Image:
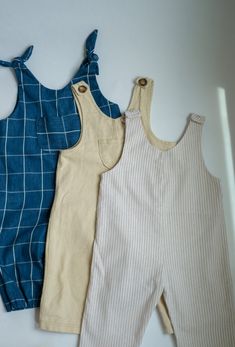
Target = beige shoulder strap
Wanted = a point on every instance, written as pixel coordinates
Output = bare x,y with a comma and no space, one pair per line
95,123
141,100
83,97
142,97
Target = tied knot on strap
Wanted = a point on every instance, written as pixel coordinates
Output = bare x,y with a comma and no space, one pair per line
91,56
26,55
90,47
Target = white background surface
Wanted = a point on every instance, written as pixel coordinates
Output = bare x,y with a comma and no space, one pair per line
186,46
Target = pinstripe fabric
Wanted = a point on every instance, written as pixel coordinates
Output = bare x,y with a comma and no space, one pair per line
43,122
160,229
72,223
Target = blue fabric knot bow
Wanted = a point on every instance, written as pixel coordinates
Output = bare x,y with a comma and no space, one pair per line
91,56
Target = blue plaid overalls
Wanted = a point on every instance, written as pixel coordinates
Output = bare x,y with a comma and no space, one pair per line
43,122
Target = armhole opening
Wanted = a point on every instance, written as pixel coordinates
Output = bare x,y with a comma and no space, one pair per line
78,143
122,155
17,101
80,113
107,101
207,171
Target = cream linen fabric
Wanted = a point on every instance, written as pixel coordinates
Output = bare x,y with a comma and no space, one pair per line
73,217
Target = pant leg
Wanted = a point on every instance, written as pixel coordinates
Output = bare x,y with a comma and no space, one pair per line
198,285
120,301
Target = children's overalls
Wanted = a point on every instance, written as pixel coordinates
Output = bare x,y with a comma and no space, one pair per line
160,229
43,122
71,229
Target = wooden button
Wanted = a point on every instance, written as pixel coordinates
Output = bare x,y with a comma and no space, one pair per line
143,82
82,89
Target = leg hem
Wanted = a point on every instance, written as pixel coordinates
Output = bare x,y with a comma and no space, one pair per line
21,304
58,327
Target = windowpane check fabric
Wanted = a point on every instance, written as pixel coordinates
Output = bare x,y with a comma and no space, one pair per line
160,229
43,122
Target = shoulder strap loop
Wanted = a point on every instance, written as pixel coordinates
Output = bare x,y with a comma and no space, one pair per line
197,118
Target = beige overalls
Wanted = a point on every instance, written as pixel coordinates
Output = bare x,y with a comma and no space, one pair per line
73,217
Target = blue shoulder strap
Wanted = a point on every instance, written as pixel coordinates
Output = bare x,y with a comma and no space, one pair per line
89,64
90,46
5,63
23,58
